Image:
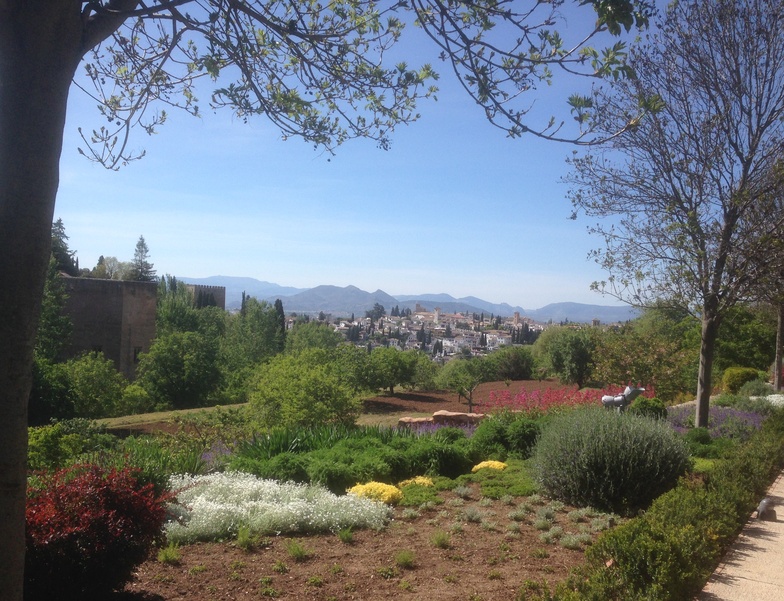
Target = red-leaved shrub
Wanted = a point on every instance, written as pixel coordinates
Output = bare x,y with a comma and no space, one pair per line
88,527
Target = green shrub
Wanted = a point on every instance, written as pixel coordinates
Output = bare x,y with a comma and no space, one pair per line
735,377
61,444
489,440
758,387
703,446
648,407
134,400
611,461
431,456
286,467
502,435
522,435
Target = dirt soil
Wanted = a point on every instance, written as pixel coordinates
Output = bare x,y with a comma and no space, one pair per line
496,558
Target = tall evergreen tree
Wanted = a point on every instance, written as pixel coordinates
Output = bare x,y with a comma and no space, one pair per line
55,327
63,255
142,270
281,317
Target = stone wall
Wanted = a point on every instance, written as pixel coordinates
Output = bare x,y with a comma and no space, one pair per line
216,292
114,317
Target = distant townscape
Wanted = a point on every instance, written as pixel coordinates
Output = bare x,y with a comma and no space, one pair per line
341,302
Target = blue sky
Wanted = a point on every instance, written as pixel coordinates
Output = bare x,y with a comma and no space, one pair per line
454,206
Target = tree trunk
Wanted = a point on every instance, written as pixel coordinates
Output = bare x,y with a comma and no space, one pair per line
779,348
710,330
39,52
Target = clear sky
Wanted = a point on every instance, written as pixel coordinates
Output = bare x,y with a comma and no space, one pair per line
454,206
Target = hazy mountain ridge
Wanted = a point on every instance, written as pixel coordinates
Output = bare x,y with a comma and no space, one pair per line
350,299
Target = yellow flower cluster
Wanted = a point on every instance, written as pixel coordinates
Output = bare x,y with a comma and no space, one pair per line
378,491
493,465
421,480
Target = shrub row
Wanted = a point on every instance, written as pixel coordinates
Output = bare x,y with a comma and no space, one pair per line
340,456
363,455
668,553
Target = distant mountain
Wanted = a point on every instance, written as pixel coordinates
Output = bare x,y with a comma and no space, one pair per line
348,300
577,312
336,300
235,286
556,312
451,304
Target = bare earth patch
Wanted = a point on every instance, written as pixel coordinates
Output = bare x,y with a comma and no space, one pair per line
483,553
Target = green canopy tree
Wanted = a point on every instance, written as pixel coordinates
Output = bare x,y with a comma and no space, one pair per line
251,337
96,386
312,334
569,353
658,351
63,255
390,367
180,370
302,389
317,71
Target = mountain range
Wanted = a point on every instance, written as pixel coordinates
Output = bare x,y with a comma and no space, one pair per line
350,299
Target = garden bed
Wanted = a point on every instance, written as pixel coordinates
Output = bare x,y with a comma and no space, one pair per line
464,548
489,559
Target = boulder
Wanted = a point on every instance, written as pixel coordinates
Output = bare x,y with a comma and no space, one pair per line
456,418
408,422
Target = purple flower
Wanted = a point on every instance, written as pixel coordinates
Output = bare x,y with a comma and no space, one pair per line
723,422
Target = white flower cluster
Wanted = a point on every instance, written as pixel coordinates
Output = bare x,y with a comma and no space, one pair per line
215,506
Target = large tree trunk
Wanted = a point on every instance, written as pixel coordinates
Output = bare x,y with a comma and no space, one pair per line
710,330
779,348
39,52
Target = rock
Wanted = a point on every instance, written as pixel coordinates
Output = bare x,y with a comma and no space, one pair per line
453,417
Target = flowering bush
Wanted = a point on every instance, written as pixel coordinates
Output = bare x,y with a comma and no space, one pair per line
420,480
216,506
378,491
493,465
723,422
87,528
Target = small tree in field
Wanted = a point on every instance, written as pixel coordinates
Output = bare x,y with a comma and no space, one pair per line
463,376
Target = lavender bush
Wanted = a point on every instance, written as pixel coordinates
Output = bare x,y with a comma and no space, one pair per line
723,422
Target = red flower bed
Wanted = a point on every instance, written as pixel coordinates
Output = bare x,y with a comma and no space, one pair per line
540,402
